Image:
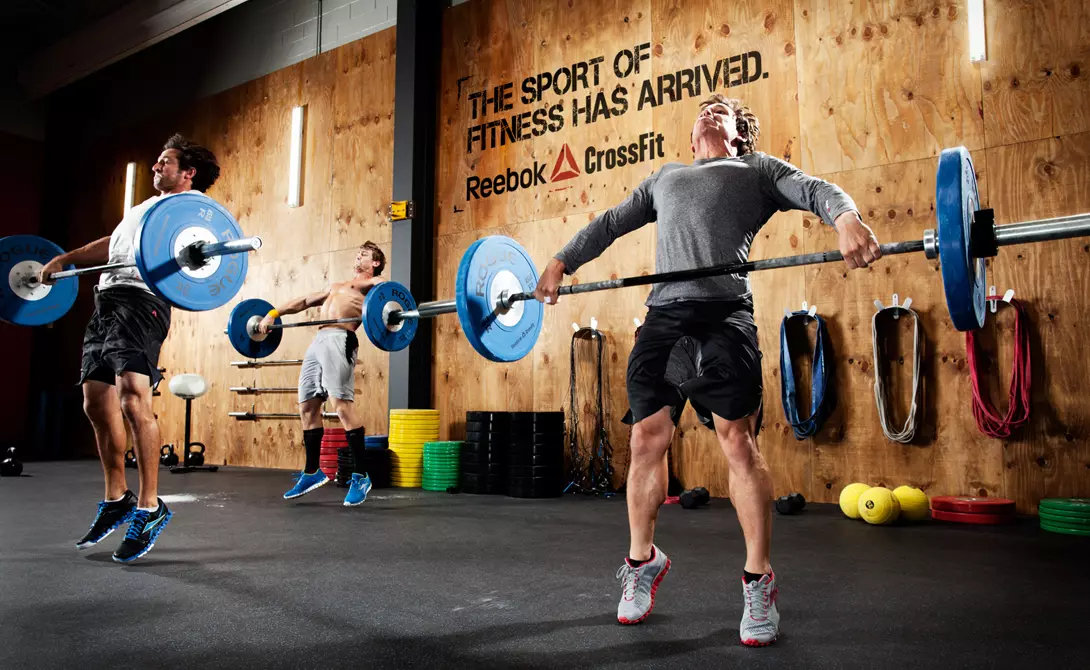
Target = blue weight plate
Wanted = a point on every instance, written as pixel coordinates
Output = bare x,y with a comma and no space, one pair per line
957,200
169,226
490,266
240,337
21,257
383,298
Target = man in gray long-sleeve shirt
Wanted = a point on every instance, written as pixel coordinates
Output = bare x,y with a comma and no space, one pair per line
708,214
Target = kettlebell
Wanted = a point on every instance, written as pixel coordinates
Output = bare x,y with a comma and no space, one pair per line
694,498
130,459
790,504
10,466
167,457
193,457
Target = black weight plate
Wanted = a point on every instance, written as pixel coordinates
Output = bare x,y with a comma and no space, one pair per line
515,445
535,434
478,448
487,438
486,427
482,480
484,468
516,451
551,471
535,428
534,482
531,416
524,460
493,417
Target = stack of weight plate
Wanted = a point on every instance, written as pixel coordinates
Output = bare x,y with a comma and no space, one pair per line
410,429
1070,516
376,463
535,456
441,460
332,440
969,509
484,454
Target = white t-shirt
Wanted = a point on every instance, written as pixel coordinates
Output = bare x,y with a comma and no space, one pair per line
121,247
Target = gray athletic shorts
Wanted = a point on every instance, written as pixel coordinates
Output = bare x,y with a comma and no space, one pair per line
329,365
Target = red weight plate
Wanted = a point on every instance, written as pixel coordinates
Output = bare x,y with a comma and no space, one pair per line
976,518
971,505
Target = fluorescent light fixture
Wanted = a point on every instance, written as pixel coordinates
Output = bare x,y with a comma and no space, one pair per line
130,185
296,164
978,49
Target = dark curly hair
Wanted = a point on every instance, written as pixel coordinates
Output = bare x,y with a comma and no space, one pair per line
193,155
376,255
748,125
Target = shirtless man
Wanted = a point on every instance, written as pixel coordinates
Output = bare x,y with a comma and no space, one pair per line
328,369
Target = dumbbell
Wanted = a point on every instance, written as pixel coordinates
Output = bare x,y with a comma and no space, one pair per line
193,457
130,459
790,504
10,466
167,457
694,497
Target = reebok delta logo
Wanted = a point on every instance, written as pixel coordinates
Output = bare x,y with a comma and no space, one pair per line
565,167
648,146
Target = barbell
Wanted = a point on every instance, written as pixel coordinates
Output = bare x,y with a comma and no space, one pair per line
188,249
502,321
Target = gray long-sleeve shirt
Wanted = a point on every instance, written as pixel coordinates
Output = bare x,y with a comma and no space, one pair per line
708,214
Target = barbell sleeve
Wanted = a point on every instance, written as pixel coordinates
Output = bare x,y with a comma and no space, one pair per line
200,252
1043,230
230,247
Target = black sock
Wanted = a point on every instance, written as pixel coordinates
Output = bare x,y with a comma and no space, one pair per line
750,577
312,440
635,564
357,442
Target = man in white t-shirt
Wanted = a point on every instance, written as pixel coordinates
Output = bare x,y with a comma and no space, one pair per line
121,358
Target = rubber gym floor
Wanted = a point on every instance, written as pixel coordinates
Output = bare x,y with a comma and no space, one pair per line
414,579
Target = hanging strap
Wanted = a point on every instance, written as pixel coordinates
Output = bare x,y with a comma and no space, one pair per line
987,418
881,392
822,396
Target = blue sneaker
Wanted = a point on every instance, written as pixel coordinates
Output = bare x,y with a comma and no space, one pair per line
143,529
111,516
306,483
357,490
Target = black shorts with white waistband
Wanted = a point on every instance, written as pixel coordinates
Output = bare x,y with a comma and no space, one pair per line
715,365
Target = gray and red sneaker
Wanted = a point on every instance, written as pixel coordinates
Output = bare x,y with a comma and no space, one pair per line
638,586
761,618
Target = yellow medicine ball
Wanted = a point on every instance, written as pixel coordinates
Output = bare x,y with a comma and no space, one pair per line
914,503
849,499
878,506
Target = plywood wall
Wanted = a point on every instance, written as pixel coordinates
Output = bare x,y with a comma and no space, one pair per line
347,179
865,95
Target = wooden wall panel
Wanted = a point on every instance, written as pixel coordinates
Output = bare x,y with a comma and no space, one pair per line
1036,80
580,31
479,56
363,139
885,82
347,173
862,94
1052,457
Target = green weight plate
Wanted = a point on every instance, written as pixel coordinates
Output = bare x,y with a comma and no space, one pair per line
1057,520
1081,505
1065,530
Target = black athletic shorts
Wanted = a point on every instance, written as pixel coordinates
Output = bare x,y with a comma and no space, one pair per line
705,353
124,335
